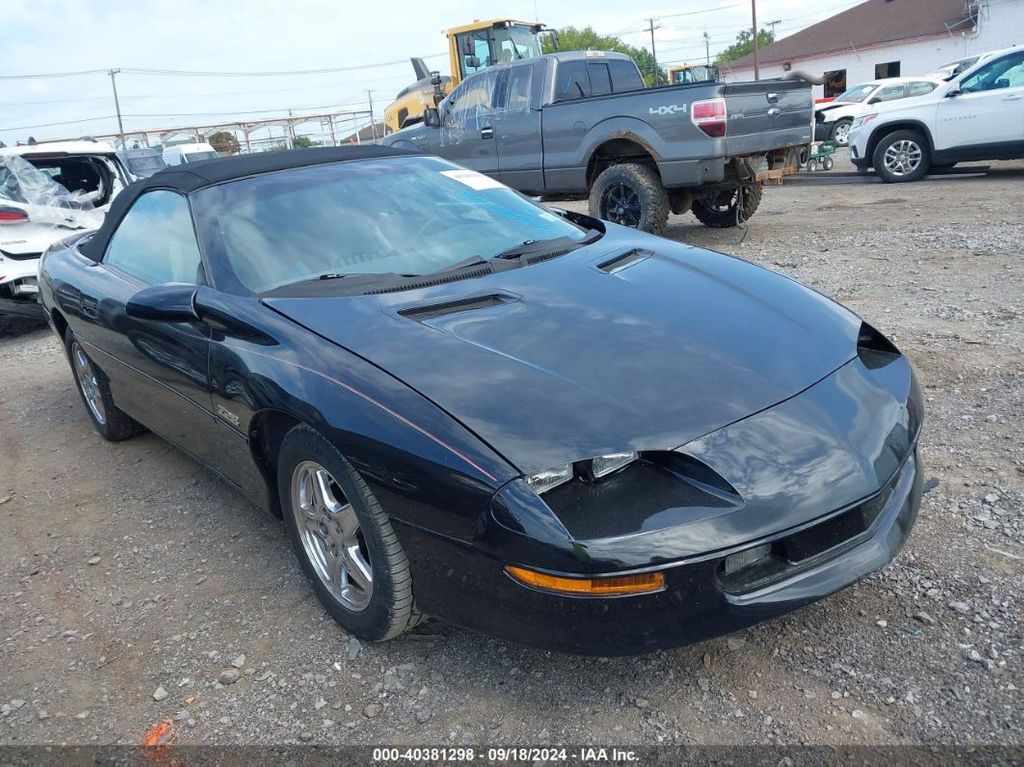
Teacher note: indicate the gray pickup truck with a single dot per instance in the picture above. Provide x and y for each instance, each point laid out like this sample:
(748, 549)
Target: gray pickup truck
(575, 124)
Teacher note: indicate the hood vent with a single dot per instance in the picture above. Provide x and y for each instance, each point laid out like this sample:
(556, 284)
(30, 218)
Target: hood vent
(430, 282)
(433, 311)
(624, 260)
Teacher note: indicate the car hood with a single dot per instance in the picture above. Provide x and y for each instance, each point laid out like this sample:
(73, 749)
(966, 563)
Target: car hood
(833, 110)
(564, 360)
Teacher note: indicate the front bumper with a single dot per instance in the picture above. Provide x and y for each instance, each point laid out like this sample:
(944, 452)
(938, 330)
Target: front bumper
(465, 586)
(822, 131)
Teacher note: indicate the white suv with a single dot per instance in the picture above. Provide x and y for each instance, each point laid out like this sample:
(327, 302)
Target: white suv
(47, 193)
(977, 116)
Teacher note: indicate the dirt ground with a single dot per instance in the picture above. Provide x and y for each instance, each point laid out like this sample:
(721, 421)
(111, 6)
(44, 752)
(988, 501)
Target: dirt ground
(129, 573)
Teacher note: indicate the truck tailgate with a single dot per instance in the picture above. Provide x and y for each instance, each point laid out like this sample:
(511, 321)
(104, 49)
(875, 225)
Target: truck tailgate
(767, 114)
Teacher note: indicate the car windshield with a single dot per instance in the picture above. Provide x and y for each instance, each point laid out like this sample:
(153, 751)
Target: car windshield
(387, 216)
(145, 164)
(197, 156)
(857, 93)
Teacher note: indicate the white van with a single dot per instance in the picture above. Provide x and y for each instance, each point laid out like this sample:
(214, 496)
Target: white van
(180, 154)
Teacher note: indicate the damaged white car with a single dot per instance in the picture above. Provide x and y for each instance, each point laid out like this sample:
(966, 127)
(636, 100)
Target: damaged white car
(49, 192)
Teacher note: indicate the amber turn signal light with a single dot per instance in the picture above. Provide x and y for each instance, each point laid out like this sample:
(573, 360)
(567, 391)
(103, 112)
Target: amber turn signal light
(605, 586)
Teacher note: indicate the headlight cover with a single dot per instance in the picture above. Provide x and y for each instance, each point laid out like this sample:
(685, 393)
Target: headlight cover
(863, 120)
(587, 471)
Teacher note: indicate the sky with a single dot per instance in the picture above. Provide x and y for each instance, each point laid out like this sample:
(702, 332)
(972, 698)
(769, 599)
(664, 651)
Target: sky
(61, 36)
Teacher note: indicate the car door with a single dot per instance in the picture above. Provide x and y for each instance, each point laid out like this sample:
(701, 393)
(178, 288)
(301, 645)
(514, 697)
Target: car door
(157, 370)
(984, 111)
(517, 129)
(467, 128)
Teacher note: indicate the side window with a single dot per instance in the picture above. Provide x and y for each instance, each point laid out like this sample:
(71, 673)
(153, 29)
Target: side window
(891, 93)
(600, 78)
(515, 88)
(1005, 72)
(472, 98)
(625, 76)
(155, 241)
(573, 81)
(920, 88)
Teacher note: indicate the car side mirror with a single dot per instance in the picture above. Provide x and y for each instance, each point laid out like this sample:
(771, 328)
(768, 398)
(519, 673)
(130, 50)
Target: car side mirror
(1002, 82)
(432, 117)
(953, 92)
(173, 302)
(874, 100)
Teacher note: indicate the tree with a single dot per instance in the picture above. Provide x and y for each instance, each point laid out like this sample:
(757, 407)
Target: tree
(225, 142)
(586, 39)
(304, 142)
(745, 44)
(2, 145)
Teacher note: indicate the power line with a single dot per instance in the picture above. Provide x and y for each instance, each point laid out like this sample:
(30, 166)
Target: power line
(200, 73)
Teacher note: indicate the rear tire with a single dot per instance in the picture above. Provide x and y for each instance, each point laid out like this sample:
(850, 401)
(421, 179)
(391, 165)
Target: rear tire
(631, 195)
(720, 212)
(902, 156)
(343, 539)
(112, 423)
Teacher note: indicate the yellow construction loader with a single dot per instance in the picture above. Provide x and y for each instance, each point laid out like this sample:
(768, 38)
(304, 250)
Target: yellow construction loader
(471, 47)
(693, 73)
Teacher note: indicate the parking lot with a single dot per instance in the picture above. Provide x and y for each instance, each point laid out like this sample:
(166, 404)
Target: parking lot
(132, 579)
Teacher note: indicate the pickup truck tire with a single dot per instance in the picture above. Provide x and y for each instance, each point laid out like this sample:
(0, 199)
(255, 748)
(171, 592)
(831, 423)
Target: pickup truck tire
(720, 212)
(901, 156)
(632, 195)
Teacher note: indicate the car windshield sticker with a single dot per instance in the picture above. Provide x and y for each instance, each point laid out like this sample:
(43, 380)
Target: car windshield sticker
(472, 179)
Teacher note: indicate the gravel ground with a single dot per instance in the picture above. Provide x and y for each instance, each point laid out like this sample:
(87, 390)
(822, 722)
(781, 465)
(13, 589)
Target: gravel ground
(136, 587)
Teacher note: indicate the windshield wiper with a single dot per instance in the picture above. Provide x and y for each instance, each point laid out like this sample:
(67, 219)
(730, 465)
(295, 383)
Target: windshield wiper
(541, 247)
(466, 262)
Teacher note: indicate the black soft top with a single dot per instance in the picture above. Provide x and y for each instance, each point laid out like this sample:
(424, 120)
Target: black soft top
(188, 178)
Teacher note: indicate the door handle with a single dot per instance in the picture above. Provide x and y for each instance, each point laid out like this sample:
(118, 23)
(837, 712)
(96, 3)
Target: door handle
(1018, 97)
(487, 132)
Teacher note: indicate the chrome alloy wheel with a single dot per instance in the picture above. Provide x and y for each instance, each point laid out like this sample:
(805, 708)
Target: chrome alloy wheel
(842, 134)
(88, 382)
(330, 534)
(903, 157)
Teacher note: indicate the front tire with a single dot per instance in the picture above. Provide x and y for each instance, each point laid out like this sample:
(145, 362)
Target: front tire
(840, 132)
(631, 195)
(720, 212)
(112, 423)
(902, 156)
(343, 539)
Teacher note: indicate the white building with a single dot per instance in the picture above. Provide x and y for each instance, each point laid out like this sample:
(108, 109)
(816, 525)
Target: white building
(888, 38)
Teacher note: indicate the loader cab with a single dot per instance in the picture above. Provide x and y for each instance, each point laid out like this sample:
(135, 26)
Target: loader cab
(480, 45)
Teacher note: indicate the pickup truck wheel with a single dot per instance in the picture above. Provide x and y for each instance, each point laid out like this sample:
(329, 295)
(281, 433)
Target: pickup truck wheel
(631, 195)
(720, 212)
(902, 156)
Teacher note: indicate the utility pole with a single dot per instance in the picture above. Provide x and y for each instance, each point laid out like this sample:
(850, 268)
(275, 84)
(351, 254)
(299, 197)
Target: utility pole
(373, 120)
(654, 53)
(773, 24)
(117, 104)
(757, 55)
(707, 48)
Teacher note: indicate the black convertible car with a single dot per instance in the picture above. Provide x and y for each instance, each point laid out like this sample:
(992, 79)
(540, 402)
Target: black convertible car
(523, 421)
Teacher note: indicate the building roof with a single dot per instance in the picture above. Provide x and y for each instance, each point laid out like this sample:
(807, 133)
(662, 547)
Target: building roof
(188, 178)
(874, 22)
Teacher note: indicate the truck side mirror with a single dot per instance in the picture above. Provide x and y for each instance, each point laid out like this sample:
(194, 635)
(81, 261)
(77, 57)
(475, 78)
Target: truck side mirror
(472, 62)
(432, 117)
